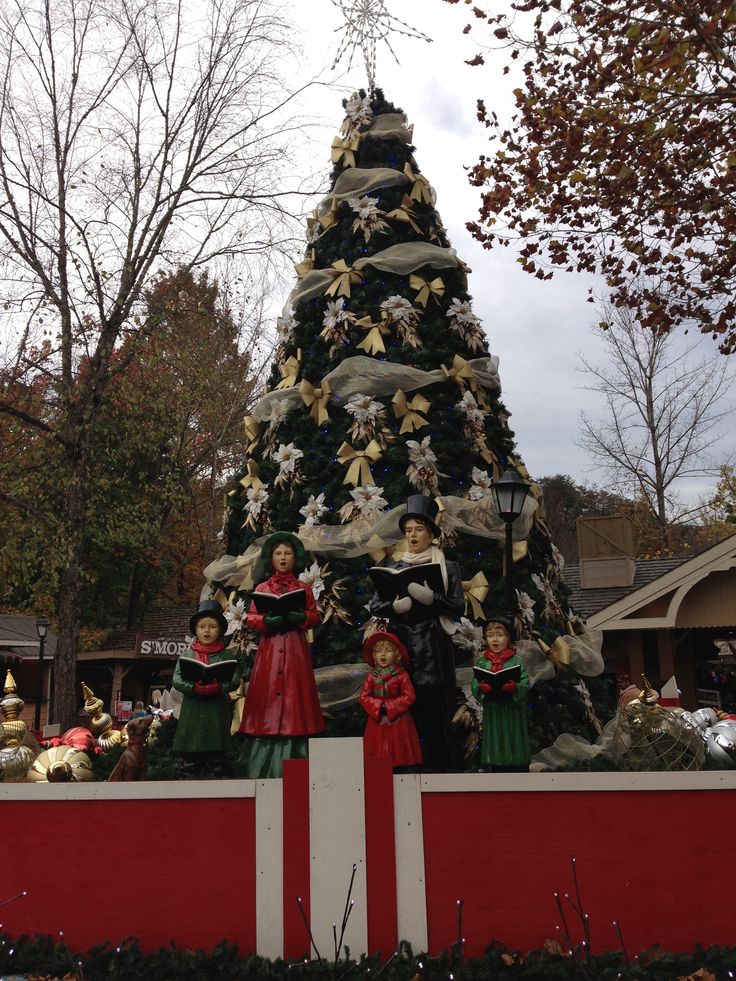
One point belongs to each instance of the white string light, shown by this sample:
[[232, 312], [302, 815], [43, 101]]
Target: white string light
[[367, 22]]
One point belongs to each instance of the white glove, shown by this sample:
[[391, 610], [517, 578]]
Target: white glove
[[401, 604], [421, 593]]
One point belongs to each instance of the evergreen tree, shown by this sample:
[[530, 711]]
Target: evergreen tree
[[383, 386]]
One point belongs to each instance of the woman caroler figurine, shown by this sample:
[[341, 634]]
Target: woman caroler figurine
[[281, 707], [387, 695], [205, 674], [500, 683]]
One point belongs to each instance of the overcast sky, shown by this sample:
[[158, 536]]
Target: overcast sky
[[535, 328]]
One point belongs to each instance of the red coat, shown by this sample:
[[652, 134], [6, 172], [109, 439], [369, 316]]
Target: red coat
[[282, 699], [393, 735]]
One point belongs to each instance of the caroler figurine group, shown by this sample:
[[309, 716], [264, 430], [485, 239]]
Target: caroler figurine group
[[409, 694]]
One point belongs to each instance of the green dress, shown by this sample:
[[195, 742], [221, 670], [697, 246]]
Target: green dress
[[505, 741], [204, 723]]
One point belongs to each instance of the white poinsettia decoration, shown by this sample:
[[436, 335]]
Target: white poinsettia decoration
[[545, 587], [368, 500], [422, 470], [468, 635], [468, 407], [335, 323], [313, 510], [368, 417], [526, 607], [358, 112], [558, 558], [369, 217], [482, 485], [285, 327], [314, 576], [400, 313], [279, 412], [465, 323], [257, 501], [287, 456], [235, 615]]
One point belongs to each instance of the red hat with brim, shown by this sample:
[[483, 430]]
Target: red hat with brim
[[370, 642]]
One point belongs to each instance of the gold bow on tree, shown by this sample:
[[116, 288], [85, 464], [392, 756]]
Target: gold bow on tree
[[490, 457], [306, 265], [408, 411], [289, 370], [317, 398], [345, 277], [461, 373], [252, 431], [425, 288], [358, 463], [405, 213], [421, 189], [559, 653], [252, 478], [373, 342], [345, 150], [328, 219], [519, 551], [476, 590]]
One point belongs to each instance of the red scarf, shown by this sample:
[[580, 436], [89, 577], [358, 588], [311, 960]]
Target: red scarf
[[203, 651], [497, 660], [285, 582]]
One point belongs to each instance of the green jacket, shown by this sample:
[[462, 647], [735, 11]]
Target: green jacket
[[505, 741], [204, 723]]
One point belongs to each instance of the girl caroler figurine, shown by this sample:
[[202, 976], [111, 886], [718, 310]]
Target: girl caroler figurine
[[205, 674], [281, 708], [500, 683], [386, 695]]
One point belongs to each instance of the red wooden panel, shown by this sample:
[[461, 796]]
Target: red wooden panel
[[380, 856], [296, 856]]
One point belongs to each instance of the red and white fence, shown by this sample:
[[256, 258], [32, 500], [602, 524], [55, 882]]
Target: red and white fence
[[196, 862]]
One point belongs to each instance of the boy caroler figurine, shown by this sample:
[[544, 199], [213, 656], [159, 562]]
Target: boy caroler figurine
[[386, 696], [205, 674], [500, 683], [281, 707]]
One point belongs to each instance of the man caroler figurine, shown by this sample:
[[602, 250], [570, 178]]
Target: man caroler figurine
[[420, 597], [500, 683], [205, 674]]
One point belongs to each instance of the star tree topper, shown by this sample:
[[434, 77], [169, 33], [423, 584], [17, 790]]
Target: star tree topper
[[366, 23]]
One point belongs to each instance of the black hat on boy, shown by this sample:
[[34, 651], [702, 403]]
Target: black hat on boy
[[213, 610], [506, 621], [421, 508]]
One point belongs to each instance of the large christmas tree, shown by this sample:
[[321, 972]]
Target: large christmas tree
[[383, 386]]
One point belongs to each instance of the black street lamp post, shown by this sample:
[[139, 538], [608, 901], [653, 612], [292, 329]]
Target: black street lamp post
[[42, 625], [510, 492]]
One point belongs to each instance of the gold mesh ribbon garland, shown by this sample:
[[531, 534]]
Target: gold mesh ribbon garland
[[359, 462]]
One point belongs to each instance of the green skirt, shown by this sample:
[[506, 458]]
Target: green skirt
[[263, 756]]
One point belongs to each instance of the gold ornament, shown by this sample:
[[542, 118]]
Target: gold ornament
[[358, 463], [409, 411], [345, 150], [306, 265], [421, 189], [289, 370], [425, 288], [252, 478], [12, 728], [100, 723], [373, 342], [344, 277], [476, 590], [406, 214], [316, 400], [62, 764]]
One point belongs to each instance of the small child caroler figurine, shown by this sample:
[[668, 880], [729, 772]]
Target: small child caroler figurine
[[505, 743], [203, 731], [281, 707], [386, 695]]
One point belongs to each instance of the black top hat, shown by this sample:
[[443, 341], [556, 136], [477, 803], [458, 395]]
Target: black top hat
[[212, 609], [422, 509]]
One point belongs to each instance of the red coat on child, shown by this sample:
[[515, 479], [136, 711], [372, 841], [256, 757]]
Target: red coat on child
[[394, 734]]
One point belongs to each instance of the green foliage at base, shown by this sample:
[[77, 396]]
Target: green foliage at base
[[46, 958]]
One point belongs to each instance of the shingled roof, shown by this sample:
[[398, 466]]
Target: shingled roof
[[590, 601]]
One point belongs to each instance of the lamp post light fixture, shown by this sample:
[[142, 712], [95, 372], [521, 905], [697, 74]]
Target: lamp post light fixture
[[509, 493], [42, 626]]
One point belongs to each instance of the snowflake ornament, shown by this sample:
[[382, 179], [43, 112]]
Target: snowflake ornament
[[313, 510]]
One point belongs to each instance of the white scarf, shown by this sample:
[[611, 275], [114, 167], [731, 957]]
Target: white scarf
[[432, 554]]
